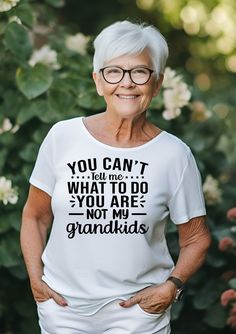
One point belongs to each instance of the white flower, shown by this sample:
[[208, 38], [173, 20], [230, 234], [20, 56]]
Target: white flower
[[233, 229], [177, 97], [212, 193], [77, 43], [15, 19], [7, 126], [170, 78], [174, 99], [46, 56], [176, 94], [6, 5], [7, 193], [171, 114], [15, 128]]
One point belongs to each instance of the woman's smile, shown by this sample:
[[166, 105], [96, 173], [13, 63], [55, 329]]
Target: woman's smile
[[127, 97]]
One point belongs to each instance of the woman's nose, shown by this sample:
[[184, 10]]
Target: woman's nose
[[126, 81]]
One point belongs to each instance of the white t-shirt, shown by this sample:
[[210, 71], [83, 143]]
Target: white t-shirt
[[110, 209]]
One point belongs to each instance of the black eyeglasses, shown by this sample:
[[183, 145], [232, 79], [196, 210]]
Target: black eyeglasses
[[114, 74]]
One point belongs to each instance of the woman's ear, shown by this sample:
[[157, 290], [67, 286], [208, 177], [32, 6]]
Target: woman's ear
[[97, 80], [158, 85]]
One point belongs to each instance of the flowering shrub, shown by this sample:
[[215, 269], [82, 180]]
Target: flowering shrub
[[77, 43], [46, 76], [231, 214], [7, 193], [228, 298], [176, 94], [45, 55], [6, 5], [212, 192], [7, 126], [228, 244]]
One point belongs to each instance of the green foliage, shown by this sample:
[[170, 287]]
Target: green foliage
[[17, 41], [232, 283], [34, 98], [216, 316], [35, 81]]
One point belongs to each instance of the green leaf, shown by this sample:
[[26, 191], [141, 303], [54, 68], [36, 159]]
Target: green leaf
[[156, 103], [232, 283], [3, 155], [216, 260], [26, 171], [2, 27], [34, 81], [221, 233], [176, 310], [39, 109], [216, 316], [18, 271], [61, 102], [12, 100], [7, 139], [56, 3], [26, 114], [17, 40], [206, 296], [10, 251], [29, 153], [73, 83], [25, 14], [4, 224], [14, 219], [40, 134], [33, 109], [48, 115], [90, 100]]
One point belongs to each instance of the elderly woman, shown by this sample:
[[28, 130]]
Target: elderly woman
[[105, 185]]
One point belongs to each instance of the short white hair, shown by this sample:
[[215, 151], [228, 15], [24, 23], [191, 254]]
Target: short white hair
[[127, 38]]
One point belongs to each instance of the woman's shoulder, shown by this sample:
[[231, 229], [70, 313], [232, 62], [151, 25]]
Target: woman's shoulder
[[174, 144], [65, 127], [67, 124], [175, 152]]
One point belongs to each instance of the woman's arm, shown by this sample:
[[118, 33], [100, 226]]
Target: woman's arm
[[36, 220], [194, 241]]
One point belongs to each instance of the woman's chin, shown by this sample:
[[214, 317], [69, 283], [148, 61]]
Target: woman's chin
[[128, 112]]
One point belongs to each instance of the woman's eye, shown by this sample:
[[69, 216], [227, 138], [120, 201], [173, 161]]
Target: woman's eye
[[139, 71], [113, 71]]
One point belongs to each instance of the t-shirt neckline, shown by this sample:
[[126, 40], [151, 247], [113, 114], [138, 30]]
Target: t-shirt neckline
[[139, 147]]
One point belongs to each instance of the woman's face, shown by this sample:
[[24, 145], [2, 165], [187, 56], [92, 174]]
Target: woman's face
[[126, 98]]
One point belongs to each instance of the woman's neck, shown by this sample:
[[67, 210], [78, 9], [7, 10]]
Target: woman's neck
[[121, 131]]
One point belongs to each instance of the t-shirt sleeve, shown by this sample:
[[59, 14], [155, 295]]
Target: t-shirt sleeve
[[188, 200], [43, 176]]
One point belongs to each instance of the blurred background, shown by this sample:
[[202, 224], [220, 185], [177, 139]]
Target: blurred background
[[45, 76]]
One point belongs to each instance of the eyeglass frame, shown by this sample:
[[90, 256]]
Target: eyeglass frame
[[126, 71]]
